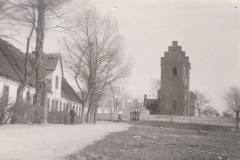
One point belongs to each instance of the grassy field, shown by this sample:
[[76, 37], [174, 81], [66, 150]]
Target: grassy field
[[165, 141]]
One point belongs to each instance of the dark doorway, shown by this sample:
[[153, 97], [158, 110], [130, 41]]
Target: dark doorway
[[134, 116]]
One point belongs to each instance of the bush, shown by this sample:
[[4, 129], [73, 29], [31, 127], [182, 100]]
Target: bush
[[227, 114], [26, 112], [58, 117], [62, 117]]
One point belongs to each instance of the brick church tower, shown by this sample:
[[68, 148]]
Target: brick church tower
[[175, 78]]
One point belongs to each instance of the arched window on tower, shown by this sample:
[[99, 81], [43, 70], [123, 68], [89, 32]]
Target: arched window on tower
[[174, 71], [174, 105]]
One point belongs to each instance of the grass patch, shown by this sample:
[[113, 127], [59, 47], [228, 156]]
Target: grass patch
[[164, 141]]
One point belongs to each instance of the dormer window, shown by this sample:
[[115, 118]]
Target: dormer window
[[174, 71], [57, 81]]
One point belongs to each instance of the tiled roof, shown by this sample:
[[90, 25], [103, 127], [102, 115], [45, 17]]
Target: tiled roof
[[12, 66], [68, 92], [151, 103], [12, 62]]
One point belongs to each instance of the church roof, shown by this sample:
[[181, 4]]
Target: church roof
[[12, 66], [151, 102]]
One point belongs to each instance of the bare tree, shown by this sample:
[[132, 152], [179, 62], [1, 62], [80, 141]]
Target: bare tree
[[232, 99], [35, 17], [210, 111], [200, 100], [94, 55], [104, 105], [119, 94], [47, 85], [228, 113], [2, 5], [155, 86]]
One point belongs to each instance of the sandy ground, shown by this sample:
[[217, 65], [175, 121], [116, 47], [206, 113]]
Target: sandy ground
[[49, 142]]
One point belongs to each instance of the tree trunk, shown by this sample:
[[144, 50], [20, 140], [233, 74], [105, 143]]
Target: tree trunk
[[88, 113], [92, 114], [20, 92], [89, 107], [95, 115], [111, 113], [27, 75], [102, 115], [44, 105], [39, 51], [82, 116], [237, 120], [199, 112]]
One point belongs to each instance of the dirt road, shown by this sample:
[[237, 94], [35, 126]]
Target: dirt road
[[48, 142]]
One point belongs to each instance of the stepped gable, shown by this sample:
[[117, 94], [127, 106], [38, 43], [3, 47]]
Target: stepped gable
[[68, 92], [175, 54], [51, 60]]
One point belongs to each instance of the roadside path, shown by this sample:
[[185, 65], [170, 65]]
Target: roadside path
[[49, 142]]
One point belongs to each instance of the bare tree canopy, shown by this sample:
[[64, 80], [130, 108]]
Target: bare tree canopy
[[118, 95], [21, 16], [33, 18], [2, 5], [232, 99], [95, 56], [155, 85], [199, 101], [210, 111]]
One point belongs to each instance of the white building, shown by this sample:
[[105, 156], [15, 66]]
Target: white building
[[61, 95]]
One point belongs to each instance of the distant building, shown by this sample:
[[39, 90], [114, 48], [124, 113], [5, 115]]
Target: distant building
[[61, 95], [173, 96]]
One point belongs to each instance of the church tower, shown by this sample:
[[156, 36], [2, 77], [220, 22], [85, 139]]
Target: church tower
[[175, 78]]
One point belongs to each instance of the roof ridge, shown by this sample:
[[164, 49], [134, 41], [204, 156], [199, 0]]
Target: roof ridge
[[52, 55], [11, 46], [12, 65]]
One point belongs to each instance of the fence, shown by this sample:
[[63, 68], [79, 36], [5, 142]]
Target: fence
[[104, 116], [200, 120]]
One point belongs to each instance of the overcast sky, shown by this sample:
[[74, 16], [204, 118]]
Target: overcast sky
[[208, 30]]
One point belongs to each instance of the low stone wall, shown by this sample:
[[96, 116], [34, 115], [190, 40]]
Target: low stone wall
[[199, 120], [104, 116]]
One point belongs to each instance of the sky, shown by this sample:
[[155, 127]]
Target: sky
[[207, 30]]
